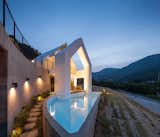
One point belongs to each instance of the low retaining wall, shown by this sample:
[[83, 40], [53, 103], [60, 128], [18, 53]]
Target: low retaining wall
[[52, 129]]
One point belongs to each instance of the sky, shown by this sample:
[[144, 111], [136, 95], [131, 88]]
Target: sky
[[115, 32]]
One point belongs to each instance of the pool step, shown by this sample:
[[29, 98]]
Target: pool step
[[32, 133]]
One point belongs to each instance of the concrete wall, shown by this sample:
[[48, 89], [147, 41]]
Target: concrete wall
[[62, 68], [20, 68]]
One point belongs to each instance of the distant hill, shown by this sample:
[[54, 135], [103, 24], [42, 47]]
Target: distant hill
[[145, 69], [29, 52]]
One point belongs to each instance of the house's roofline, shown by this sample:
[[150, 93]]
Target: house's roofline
[[64, 49], [79, 43], [51, 52]]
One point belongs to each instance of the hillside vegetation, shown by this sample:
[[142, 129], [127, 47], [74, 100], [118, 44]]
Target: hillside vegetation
[[28, 51], [146, 69]]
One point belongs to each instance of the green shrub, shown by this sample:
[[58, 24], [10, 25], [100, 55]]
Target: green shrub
[[45, 94], [33, 100], [135, 87], [21, 118]]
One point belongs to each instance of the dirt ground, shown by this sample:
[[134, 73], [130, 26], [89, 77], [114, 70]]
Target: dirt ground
[[120, 117]]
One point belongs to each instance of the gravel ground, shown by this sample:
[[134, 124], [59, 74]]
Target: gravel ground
[[118, 116]]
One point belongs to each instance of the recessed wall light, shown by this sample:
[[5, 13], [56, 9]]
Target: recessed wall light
[[27, 79], [14, 84]]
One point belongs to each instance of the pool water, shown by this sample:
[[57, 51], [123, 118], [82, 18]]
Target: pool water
[[70, 113]]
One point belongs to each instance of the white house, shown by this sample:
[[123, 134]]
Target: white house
[[62, 69]]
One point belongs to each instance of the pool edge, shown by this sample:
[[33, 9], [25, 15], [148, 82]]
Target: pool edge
[[52, 128]]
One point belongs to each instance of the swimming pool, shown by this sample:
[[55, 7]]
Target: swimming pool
[[71, 113]]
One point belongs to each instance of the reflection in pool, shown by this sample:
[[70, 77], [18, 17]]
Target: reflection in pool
[[71, 112]]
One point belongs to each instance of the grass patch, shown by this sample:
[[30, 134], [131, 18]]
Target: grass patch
[[142, 132], [128, 129], [21, 118], [115, 114], [40, 128], [122, 112], [106, 123], [125, 122], [102, 122], [45, 94], [116, 128], [131, 113], [113, 101]]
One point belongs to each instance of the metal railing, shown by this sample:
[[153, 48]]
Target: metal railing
[[9, 23]]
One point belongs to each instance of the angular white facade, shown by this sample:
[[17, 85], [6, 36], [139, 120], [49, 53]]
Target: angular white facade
[[63, 67]]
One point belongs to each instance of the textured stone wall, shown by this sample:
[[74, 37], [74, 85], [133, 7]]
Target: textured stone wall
[[19, 69]]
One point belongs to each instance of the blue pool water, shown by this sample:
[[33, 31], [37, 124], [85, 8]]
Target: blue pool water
[[70, 113]]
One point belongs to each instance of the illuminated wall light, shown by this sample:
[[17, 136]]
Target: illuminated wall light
[[26, 85], [40, 83], [33, 61], [14, 85], [13, 89], [12, 93], [39, 78]]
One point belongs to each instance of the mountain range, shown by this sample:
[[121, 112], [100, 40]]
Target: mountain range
[[146, 69]]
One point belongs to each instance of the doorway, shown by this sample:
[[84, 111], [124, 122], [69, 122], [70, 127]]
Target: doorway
[[80, 83], [52, 83]]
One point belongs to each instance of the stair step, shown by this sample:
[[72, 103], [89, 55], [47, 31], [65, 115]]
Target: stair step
[[32, 119], [34, 114], [38, 106], [36, 110], [29, 126], [32, 133]]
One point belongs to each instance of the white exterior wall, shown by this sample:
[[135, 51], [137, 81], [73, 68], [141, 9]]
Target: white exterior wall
[[62, 75], [62, 68]]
